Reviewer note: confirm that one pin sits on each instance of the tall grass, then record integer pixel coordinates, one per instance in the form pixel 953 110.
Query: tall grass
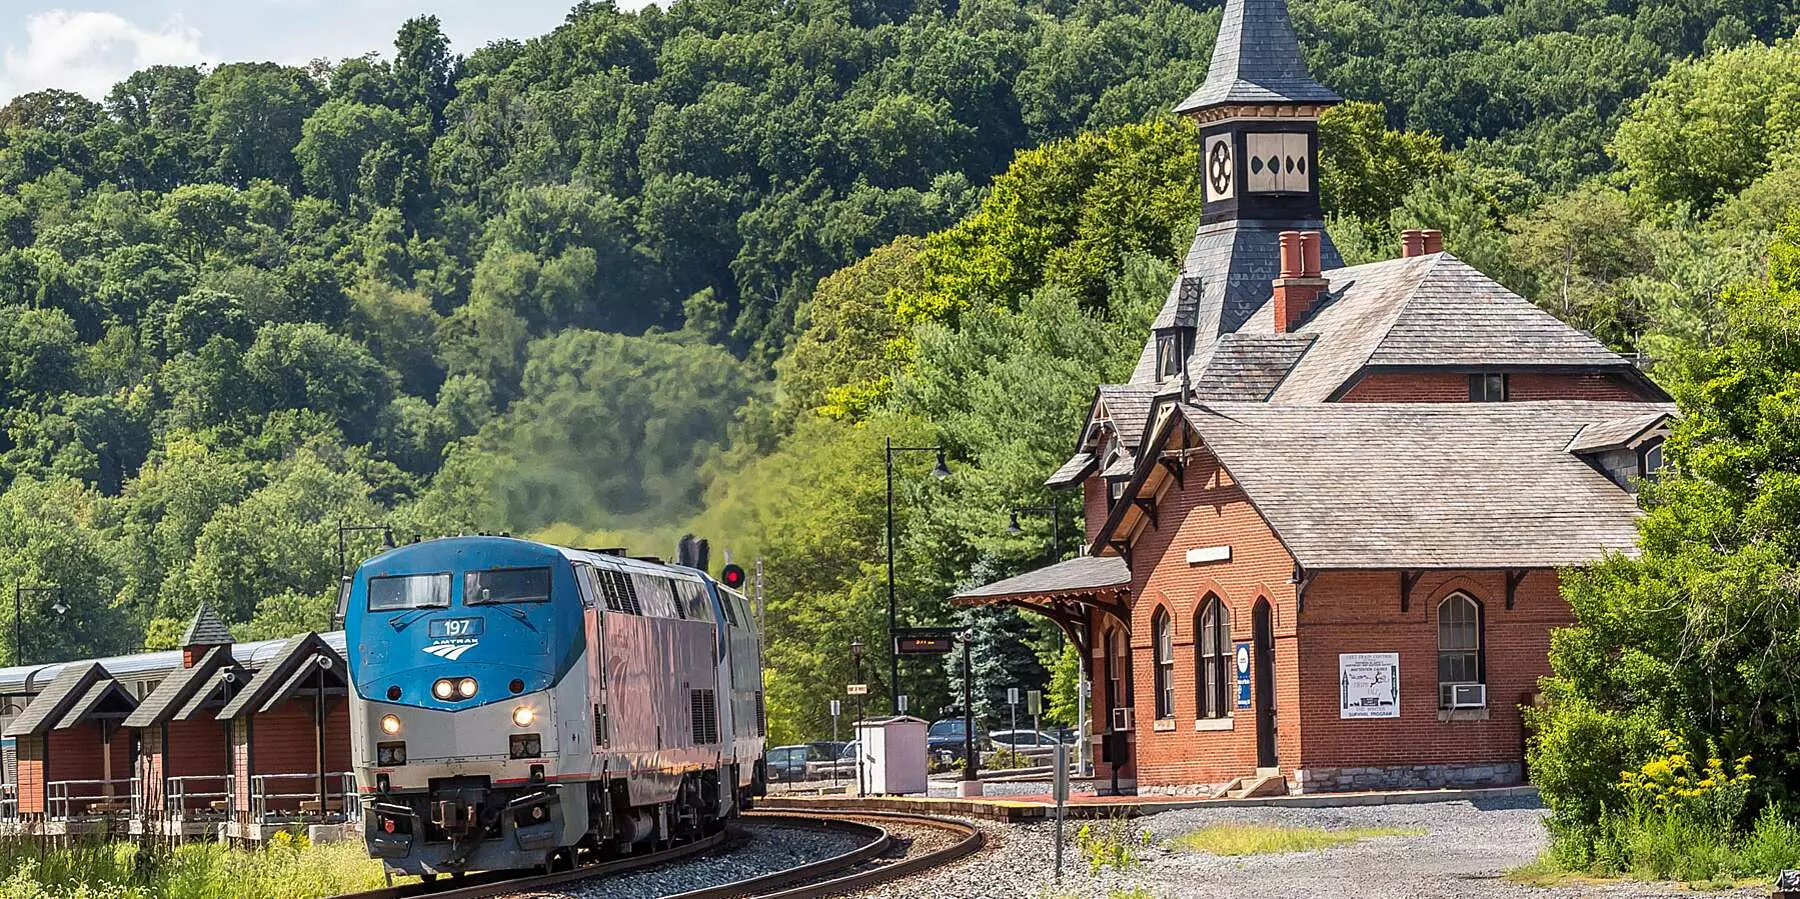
pixel 1259 839
pixel 287 868
pixel 1647 844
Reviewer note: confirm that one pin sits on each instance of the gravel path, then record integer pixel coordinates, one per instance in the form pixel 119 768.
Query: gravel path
pixel 766 849
pixel 1463 854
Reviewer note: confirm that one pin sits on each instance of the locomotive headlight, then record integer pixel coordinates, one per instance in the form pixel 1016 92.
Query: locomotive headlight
pixel 443 689
pixel 466 687
pixel 390 724
pixel 524 715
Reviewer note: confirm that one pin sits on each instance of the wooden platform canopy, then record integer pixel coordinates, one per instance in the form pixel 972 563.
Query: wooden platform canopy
pixel 72 759
pixel 290 736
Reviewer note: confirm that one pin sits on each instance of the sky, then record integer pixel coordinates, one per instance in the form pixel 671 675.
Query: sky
pixel 89 45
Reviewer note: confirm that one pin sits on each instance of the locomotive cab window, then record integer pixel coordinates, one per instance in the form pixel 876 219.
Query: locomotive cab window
pixel 695 605
pixel 500 585
pixel 412 591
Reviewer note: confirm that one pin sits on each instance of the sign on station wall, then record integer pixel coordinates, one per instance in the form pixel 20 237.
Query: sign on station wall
pixel 1369 685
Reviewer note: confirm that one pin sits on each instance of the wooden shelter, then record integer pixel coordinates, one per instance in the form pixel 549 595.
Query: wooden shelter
pixel 74 760
pixel 290 739
pixel 184 766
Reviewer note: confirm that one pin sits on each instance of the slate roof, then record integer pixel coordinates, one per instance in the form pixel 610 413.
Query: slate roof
pixel 1248 367
pixel 1425 311
pixel 1418 485
pixel 206 629
pixel 1236 263
pixel 1616 434
pixel 46 711
pixel 275 679
pixel 170 697
pixel 1256 59
pixel 1072 471
pixel 104 698
pixel 1128 406
pixel 1121 467
pixel 1182 309
pixel 1083 574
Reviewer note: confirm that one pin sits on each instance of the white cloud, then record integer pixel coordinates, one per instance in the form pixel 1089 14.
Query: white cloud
pixel 88 52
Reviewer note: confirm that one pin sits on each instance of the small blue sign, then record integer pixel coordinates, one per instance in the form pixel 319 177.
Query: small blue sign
pixel 1243 675
pixel 456 627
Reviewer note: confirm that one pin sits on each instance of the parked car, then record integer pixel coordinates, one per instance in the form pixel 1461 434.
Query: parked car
pixel 803 761
pixel 786 763
pixel 945 739
pixel 1024 740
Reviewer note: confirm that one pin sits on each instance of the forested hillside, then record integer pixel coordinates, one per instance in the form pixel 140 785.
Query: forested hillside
pixel 685 268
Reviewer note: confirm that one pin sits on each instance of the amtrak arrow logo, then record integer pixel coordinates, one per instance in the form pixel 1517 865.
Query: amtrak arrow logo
pixel 449 651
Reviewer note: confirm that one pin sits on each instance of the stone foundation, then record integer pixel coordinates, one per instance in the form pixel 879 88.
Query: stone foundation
pixel 1201 791
pixel 1407 777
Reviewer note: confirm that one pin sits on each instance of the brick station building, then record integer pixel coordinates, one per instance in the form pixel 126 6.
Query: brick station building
pixel 1325 519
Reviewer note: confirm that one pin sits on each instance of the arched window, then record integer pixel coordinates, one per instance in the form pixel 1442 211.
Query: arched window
pixel 1460 652
pixel 1162 634
pixel 1212 651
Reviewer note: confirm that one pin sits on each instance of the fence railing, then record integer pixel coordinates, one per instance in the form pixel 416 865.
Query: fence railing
pixel 297 796
pixel 65 799
pixel 197 796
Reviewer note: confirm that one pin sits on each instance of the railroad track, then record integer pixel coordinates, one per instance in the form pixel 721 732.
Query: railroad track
pixel 868 863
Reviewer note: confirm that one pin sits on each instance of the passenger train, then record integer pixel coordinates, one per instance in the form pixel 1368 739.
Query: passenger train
pixel 517 704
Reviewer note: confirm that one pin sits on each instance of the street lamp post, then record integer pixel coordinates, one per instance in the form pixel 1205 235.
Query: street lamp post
pixel 343 549
pixel 862 787
pixel 19 591
pixel 971 780
pixel 940 471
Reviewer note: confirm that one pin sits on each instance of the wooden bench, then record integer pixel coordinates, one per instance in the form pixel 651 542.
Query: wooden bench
pixel 311 806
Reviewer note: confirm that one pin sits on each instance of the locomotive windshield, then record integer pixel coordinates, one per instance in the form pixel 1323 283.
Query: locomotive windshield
pixel 506 585
pixel 413 591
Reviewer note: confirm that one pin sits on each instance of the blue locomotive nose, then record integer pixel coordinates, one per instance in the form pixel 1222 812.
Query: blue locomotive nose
pixel 461 624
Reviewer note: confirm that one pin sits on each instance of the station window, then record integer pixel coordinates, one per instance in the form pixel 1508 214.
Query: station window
pixel 1162 635
pixel 1215 663
pixel 1459 647
pixel 1487 388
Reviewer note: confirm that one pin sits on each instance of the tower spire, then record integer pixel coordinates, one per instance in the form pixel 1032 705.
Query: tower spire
pixel 1256 59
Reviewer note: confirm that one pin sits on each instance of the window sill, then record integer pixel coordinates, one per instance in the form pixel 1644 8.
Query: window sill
pixel 1162 724
pixel 1447 715
pixel 1204 724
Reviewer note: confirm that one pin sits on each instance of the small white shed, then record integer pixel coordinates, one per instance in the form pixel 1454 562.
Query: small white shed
pixel 893 755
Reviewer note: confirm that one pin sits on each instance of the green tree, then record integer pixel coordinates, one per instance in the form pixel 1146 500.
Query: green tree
pixel 337 140
pixel 251 116
pixel 1694 634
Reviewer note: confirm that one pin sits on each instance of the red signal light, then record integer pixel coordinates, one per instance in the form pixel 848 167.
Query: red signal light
pixel 733 576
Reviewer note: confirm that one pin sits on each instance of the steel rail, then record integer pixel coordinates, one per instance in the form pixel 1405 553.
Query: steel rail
pixel 499 883
pixel 790 883
pixel 972 840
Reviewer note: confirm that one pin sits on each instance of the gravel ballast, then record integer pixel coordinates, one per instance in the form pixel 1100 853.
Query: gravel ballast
pixel 766 848
pixel 1464 852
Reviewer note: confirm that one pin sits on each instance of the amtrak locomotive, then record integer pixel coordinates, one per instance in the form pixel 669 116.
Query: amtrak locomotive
pixel 518 704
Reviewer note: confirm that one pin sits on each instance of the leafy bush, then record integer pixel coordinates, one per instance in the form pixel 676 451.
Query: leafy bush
pixel 1111 843
pixel 1006 759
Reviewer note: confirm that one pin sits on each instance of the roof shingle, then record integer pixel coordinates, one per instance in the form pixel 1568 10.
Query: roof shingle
pixel 1416 485
pixel 1256 59
pixel 1078 575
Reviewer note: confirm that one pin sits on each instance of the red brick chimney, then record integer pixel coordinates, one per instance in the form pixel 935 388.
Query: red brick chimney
pixel 1300 286
pixel 1434 241
pixel 1412 243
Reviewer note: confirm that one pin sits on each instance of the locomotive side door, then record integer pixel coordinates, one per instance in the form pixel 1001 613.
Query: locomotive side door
pixel 593 616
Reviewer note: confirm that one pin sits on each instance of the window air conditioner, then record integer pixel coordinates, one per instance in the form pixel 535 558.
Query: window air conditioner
pixel 1121 720
pixel 1465 696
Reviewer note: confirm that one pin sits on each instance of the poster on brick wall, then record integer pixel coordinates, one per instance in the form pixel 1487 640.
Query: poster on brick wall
pixel 1369 685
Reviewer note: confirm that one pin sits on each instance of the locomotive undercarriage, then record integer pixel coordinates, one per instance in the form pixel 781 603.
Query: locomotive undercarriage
pixel 462 824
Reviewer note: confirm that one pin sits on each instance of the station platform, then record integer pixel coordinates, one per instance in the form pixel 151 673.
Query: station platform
pixel 1019 809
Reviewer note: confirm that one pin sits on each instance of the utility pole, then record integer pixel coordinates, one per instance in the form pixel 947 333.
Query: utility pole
pixel 941 471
